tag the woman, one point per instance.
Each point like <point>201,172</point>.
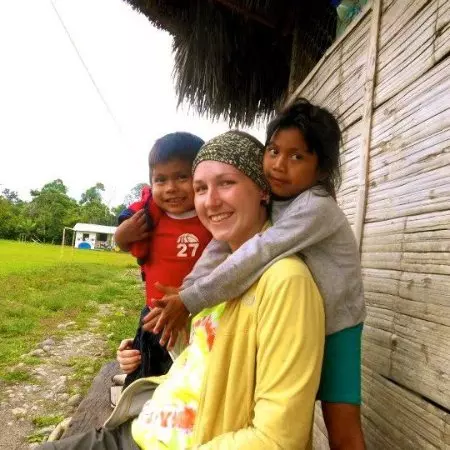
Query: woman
<point>250,375</point>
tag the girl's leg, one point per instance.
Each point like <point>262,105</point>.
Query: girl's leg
<point>343,422</point>
<point>340,389</point>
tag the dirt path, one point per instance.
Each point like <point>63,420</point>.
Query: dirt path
<point>53,390</point>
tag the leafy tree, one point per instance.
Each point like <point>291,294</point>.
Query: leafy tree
<point>11,196</point>
<point>26,227</point>
<point>135,193</point>
<point>116,210</point>
<point>9,213</point>
<point>93,210</point>
<point>93,194</point>
<point>50,210</point>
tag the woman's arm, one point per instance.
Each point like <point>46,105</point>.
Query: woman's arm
<point>308,220</point>
<point>290,333</point>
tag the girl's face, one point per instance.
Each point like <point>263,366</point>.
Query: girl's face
<point>228,203</point>
<point>288,165</point>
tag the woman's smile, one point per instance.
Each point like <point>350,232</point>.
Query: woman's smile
<point>217,218</point>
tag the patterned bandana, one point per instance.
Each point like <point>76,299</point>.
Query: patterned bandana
<point>238,149</point>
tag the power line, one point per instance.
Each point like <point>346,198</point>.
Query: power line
<point>86,68</point>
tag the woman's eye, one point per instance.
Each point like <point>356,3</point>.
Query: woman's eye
<point>272,151</point>
<point>200,189</point>
<point>226,182</point>
<point>297,157</point>
<point>159,180</point>
<point>183,177</point>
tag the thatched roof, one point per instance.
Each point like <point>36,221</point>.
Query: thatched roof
<point>232,57</point>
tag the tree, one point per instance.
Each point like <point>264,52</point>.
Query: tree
<point>116,210</point>
<point>26,227</point>
<point>8,219</point>
<point>93,210</point>
<point>11,196</point>
<point>135,193</point>
<point>50,210</point>
<point>93,194</point>
<point>10,211</point>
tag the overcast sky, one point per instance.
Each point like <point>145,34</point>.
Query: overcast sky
<point>53,122</point>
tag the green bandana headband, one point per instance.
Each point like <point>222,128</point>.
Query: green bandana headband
<point>238,149</point>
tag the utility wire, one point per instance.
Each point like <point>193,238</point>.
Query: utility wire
<point>102,98</point>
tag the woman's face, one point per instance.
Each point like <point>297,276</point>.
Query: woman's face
<point>228,203</point>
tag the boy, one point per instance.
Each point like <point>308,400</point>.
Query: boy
<point>162,230</point>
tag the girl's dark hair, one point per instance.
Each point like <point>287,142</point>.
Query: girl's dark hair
<point>179,145</point>
<point>322,135</point>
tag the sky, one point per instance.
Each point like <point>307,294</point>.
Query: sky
<point>57,122</point>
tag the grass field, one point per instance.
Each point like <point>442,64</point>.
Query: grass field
<point>41,286</point>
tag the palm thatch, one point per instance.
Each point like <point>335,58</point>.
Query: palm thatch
<point>233,57</point>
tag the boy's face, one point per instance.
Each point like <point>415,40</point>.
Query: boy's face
<point>288,165</point>
<point>172,187</point>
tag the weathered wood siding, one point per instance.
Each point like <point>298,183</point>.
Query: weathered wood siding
<point>405,220</point>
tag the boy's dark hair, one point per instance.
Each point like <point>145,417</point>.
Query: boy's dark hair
<point>322,135</point>
<point>179,145</point>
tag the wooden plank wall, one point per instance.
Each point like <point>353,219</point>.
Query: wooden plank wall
<point>405,248</point>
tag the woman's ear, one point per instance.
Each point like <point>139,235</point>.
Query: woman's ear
<point>265,198</point>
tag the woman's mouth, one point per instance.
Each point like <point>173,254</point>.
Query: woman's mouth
<point>216,218</point>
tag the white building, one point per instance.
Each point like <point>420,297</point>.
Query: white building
<point>92,236</point>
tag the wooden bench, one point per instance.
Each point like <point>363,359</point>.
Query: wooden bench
<point>95,408</point>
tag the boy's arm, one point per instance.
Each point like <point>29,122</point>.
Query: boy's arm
<point>131,230</point>
<point>307,221</point>
<point>291,335</point>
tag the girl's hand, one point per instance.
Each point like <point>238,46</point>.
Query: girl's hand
<point>169,317</point>
<point>129,359</point>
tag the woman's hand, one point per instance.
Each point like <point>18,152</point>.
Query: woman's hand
<point>128,358</point>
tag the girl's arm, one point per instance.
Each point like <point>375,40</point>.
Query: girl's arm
<point>215,253</point>
<point>308,220</point>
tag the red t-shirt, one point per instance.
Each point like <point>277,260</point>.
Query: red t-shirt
<point>176,244</point>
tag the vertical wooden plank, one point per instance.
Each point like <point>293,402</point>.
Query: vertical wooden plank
<point>367,120</point>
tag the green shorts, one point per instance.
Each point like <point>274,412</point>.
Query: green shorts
<point>341,372</point>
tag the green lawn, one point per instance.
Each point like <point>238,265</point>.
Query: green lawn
<point>42,285</point>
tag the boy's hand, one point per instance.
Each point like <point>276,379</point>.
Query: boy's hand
<point>128,358</point>
<point>132,230</point>
<point>169,317</point>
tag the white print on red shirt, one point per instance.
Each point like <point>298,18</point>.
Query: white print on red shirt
<point>187,245</point>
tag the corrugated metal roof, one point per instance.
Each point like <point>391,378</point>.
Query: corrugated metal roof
<point>94,228</point>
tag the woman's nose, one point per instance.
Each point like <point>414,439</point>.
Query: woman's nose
<point>212,198</point>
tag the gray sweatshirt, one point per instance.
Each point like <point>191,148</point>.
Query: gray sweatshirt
<point>311,225</point>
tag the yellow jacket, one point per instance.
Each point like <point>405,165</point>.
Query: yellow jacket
<point>264,369</point>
